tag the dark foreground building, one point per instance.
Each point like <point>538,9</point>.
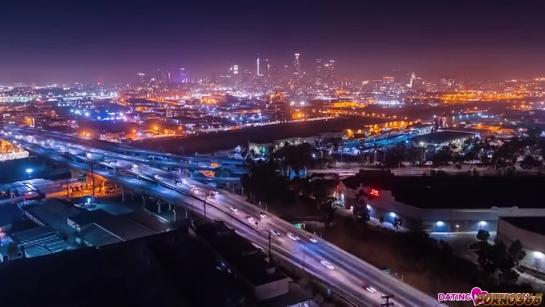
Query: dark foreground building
<point>171,269</point>
<point>217,267</point>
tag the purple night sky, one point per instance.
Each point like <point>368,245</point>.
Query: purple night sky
<point>46,41</point>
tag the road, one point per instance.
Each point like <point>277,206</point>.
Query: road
<point>346,274</point>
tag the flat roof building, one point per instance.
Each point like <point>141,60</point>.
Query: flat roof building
<point>437,206</point>
<point>262,276</point>
<point>121,227</point>
<point>442,138</point>
<point>39,241</point>
<point>166,270</point>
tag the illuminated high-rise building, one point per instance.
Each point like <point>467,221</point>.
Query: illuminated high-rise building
<point>141,77</point>
<point>329,70</point>
<point>330,66</point>
<point>161,76</point>
<point>267,68</point>
<point>297,63</point>
<point>234,70</point>
<point>258,69</point>
<point>318,68</point>
<point>183,75</point>
<point>412,78</point>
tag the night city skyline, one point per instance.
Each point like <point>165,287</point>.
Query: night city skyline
<point>302,153</point>
<point>65,41</point>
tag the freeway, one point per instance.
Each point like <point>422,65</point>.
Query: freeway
<point>194,163</point>
<point>353,278</point>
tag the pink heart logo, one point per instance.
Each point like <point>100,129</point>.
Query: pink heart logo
<point>477,295</point>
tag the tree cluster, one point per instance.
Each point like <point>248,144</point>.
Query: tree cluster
<point>498,261</point>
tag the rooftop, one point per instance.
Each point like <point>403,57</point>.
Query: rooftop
<point>121,226</point>
<point>238,251</point>
<point>170,269</point>
<point>94,235</point>
<point>456,191</point>
<point>40,241</point>
<point>442,136</point>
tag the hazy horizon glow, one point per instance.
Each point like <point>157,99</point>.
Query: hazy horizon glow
<point>61,41</point>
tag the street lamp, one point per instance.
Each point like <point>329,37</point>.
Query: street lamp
<point>91,164</point>
<point>204,202</point>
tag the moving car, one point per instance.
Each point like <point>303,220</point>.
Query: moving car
<point>327,264</point>
<point>292,236</point>
<point>370,289</point>
<point>276,233</point>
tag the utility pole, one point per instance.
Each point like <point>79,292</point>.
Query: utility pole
<point>387,303</point>
<point>204,203</point>
<point>93,178</point>
<point>270,247</point>
<point>204,207</point>
<point>67,183</point>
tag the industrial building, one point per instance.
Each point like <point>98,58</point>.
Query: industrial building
<point>435,216</point>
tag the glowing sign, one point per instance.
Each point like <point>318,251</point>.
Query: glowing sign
<point>374,192</point>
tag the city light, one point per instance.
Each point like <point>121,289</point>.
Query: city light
<point>252,150</point>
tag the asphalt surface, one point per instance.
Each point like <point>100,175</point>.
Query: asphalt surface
<point>351,277</point>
